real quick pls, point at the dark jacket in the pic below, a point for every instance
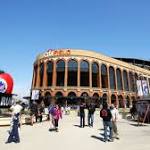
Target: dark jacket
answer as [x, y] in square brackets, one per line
[105, 113]
[91, 109]
[82, 107]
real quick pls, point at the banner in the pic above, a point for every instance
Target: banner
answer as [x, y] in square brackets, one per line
[145, 88]
[139, 88]
[35, 95]
[5, 100]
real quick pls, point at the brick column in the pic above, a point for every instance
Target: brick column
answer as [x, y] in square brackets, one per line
[54, 74]
[108, 77]
[109, 97]
[38, 76]
[100, 83]
[116, 87]
[117, 101]
[66, 73]
[90, 74]
[45, 75]
[128, 78]
[33, 78]
[78, 83]
[122, 80]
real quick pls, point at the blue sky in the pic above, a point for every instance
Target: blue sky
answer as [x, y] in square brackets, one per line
[28, 27]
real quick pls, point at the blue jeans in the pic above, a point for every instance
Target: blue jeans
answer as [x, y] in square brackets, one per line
[107, 125]
[90, 119]
[82, 121]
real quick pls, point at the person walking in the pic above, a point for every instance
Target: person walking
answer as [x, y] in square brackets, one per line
[14, 133]
[56, 115]
[106, 115]
[115, 116]
[82, 115]
[15, 123]
[91, 110]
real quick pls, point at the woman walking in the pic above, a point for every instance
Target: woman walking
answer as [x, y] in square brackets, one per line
[14, 133]
[56, 115]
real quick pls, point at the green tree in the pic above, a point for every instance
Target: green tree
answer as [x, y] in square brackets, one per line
[1, 71]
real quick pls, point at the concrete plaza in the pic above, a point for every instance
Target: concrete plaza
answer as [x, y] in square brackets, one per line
[71, 137]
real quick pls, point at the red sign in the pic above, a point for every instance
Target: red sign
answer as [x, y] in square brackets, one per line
[6, 83]
[52, 52]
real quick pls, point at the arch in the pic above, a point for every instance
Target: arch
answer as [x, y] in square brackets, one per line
[125, 79]
[59, 98]
[84, 94]
[121, 101]
[119, 79]
[95, 75]
[41, 74]
[104, 98]
[72, 72]
[72, 99]
[84, 73]
[60, 71]
[112, 79]
[47, 98]
[49, 72]
[104, 76]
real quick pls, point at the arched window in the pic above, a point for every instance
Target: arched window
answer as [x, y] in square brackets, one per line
[35, 75]
[84, 73]
[131, 77]
[60, 69]
[59, 98]
[104, 76]
[95, 75]
[72, 99]
[41, 73]
[112, 78]
[119, 80]
[72, 73]
[47, 99]
[113, 99]
[49, 73]
[125, 79]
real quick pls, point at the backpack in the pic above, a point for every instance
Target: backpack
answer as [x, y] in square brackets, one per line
[103, 113]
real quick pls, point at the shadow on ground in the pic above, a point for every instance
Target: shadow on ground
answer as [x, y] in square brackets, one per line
[137, 125]
[97, 138]
[80, 126]
[52, 129]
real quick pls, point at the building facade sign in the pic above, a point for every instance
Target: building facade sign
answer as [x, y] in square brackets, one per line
[5, 100]
[53, 52]
[145, 88]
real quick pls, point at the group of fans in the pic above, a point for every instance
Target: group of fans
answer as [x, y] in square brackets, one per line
[109, 114]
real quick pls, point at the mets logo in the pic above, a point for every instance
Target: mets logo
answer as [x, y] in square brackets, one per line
[3, 86]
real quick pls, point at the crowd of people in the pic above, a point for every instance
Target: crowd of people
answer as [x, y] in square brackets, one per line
[109, 115]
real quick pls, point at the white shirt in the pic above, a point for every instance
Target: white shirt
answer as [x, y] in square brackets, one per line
[16, 108]
[115, 114]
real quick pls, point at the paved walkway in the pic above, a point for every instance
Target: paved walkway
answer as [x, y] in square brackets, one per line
[71, 137]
